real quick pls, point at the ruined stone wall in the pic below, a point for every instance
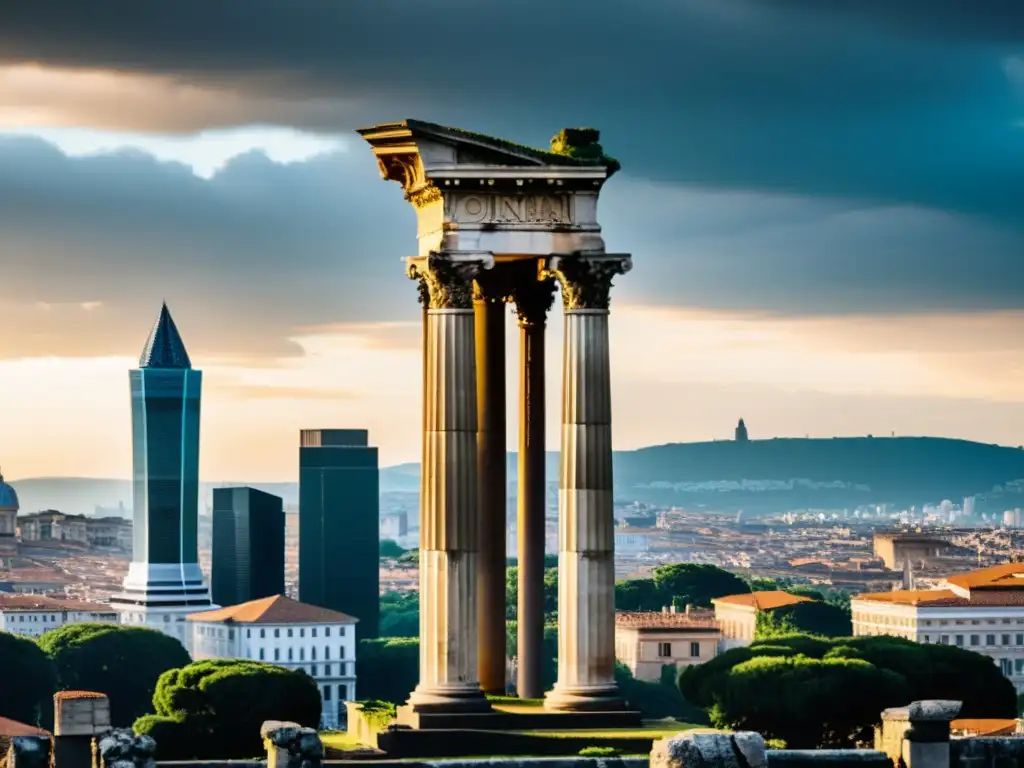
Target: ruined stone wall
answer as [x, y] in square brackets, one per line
[990, 752]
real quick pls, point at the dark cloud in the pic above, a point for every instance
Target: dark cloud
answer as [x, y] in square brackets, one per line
[263, 252]
[905, 101]
[250, 256]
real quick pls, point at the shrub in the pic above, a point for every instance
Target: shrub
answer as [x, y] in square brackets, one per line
[122, 662]
[213, 709]
[28, 681]
[812, 691]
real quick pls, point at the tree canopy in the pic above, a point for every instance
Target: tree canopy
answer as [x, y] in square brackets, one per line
[512, 591]
[388, 668]
[122, 662]
[400, 614]
[680, 584]
[28, 681]
[818, 692]
[390, 548]
[213, 709]
[815, 618]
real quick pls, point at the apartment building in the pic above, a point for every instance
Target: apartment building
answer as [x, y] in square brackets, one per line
[288, 633]
[737, 614]
[33, 615]
[981, 611]
[647, 641]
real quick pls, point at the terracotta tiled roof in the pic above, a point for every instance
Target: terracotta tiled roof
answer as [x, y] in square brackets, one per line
[984, 727]
[9, 602]
[915, 597]
[1006, 576]
[659, 620]
[945, 598]
[274, 610]
[62, 695]
[12, 728]
[764, 601]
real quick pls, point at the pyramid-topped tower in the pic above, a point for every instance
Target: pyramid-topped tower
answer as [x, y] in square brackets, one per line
[164, 347]
[164, 583]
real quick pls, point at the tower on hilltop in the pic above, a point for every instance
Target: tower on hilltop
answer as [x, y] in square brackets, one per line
[164, 582]
[741, 432]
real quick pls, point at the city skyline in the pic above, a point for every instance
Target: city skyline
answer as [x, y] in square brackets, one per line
[825, 242]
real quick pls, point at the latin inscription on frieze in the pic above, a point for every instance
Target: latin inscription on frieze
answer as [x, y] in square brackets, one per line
[511, 209]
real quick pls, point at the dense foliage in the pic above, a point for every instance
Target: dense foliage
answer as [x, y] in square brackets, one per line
[549, 664]
[122, 662]
[388, 668]
[658, 700]
[28, 681]
[680, 584]
[213, 709]
[512, 592]
[400, 614]
[816, 618]
[817, 692]
[390, 548]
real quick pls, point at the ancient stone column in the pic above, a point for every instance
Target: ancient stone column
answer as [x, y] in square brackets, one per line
[450, 495]
[532, 304]
[491, 465]
[586, 567]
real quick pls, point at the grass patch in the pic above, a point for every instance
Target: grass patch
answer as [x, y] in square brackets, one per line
[341, 740]
[657, 730]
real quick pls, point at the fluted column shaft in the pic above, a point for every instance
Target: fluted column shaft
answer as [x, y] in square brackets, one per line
[586, 556]
[532, 304]
[492, 469]
[449, 493]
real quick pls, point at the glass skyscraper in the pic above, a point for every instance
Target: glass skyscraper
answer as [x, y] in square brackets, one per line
[248, 545]
[339, 524]
[164, 582]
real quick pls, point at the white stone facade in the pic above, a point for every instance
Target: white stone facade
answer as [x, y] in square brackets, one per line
[31, 616]
[326, 652]
[993, 631]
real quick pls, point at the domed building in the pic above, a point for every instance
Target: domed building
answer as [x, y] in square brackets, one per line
[8, 521]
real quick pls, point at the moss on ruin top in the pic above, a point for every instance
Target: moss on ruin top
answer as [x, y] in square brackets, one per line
[583, 145]
[570, 146]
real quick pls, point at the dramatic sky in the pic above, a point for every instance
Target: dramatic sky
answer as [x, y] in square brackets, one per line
[825, 203]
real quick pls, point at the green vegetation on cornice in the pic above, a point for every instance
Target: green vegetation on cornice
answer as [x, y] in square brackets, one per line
[583, 146]
[570, 146]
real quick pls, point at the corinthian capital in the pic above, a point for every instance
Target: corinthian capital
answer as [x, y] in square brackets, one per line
[533, 300]
[586, 281]
[446, 280]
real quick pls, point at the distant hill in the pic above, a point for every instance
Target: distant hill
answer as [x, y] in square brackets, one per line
[791, 473]
[758, 475]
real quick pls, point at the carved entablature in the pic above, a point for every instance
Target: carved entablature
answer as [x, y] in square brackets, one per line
[448, 279]
[586, 281]
[527, 208]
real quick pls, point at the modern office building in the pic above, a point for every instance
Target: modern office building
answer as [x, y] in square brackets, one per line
[339, 524]
[164, 583]
[248, 545]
